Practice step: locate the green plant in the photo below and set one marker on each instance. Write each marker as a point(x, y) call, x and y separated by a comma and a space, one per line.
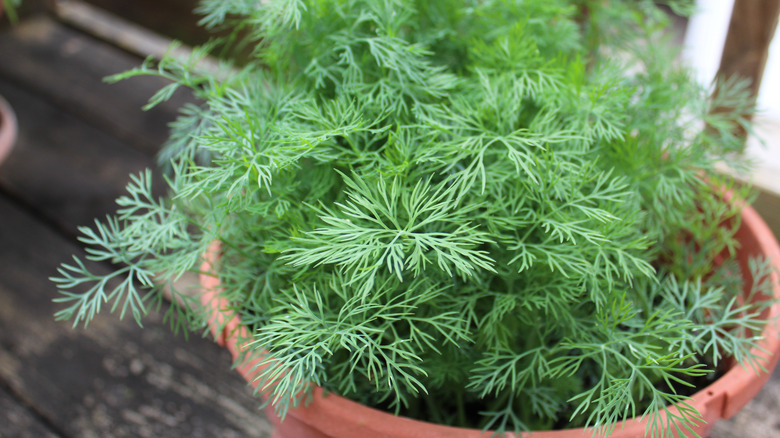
point(448, 207)
point(9, 7)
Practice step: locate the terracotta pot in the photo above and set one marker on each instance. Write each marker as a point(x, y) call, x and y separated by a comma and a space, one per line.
point(332, 416)
point(8, 128)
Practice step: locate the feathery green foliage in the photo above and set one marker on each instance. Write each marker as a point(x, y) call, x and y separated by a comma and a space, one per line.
point(489, 213)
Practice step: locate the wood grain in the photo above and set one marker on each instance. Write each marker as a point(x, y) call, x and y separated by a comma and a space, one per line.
point(114, 378)
point(67, 69)
point(64, 168)
point(79, 139)
point(17, 421)
point(752, 26)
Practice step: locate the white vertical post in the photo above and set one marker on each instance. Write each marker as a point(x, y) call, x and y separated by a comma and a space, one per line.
point(706, 36)
point(769, 94)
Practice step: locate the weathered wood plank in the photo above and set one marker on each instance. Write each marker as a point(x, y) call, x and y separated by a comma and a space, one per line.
point(173, 18)
point(752, 26)
point(67, 68)
point(113, 379)
point(16, 420)
point(62, 167)
point(126, 35)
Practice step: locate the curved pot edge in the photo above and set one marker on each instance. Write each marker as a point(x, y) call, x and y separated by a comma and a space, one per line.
point(345, 418)
point(8, 128)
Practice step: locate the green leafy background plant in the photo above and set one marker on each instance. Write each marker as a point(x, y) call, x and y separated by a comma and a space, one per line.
point(499, 214)
point(8, 7)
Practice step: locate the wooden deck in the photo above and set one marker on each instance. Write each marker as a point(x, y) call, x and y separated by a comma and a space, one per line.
point(79, 139)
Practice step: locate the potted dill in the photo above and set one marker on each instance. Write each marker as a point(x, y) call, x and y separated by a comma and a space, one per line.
point(481, 215)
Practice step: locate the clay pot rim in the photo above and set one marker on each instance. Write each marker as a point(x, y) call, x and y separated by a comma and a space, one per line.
point(8, 128)
point(720, 399)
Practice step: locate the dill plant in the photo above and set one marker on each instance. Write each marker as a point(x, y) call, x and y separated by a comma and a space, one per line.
point(499, 214)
